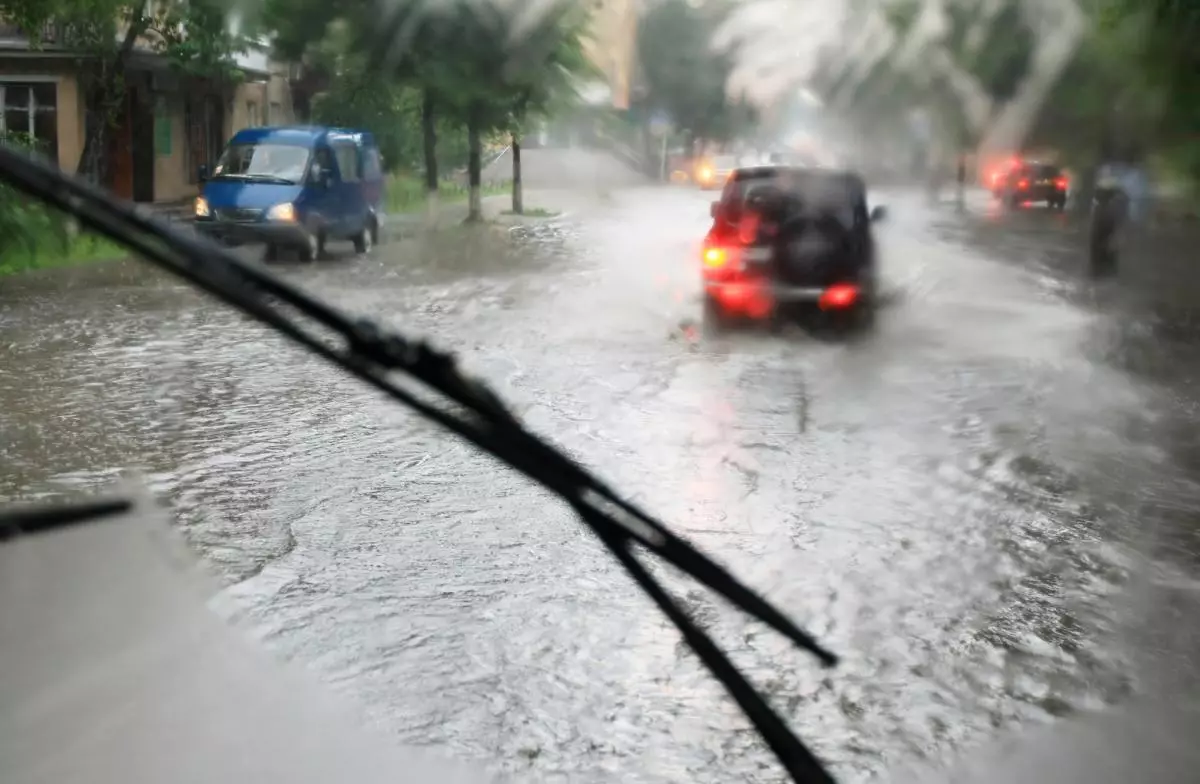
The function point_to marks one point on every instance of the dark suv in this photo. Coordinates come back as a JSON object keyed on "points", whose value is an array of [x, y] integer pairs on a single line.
{"points": [[1035, 182], [786, 239]]}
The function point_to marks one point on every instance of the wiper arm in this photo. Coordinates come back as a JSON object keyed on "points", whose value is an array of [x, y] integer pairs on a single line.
{"points": [[269, 178], [372, 354]]}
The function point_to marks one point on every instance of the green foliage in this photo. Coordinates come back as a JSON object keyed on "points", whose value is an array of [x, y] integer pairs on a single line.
{"points": [[23, 225], [406, 193], [683, 76], [194, 34], [391, 111], [1004, 59], [197, 38], [33, 236], [483, 62]]}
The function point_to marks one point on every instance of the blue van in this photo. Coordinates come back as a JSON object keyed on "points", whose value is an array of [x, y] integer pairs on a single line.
{"points": [[294, 189]]}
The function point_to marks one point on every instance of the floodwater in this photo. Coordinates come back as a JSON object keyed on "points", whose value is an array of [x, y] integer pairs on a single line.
{"points": [[985, 506]]}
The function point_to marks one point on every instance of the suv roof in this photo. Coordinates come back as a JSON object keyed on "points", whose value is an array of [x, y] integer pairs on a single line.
{"points": [[1036, 170], [762, 171]]}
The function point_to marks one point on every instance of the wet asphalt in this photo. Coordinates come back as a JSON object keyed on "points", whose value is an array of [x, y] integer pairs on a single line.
{"points": [[986, 505]]}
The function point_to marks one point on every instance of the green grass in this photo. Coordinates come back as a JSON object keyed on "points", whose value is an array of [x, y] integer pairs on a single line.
{"points": [[406, 193], [533, 212], [50, 252]]}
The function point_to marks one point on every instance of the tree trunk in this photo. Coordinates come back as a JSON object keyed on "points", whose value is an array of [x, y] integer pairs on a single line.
{"points": [[474, 164], [518, 195], [429, 149], [102, 101], [95, 165], [429, 139]]}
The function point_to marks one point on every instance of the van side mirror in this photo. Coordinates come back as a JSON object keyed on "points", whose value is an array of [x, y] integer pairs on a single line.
{"points": [[878, 213], [202, 173]]}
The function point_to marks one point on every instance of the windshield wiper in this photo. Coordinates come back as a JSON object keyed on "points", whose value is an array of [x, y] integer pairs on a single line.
{"points": [[474, 413], [256, 178]]}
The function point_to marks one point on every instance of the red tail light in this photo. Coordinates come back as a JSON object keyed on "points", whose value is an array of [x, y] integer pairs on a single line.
{"points": [[715, 257], [1061, 183], [1023, 184], [839, 297]]}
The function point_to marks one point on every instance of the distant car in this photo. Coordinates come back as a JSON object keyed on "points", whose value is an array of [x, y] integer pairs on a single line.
{"points": [[1034, 182], [712, 173], [994, 174], [788, 239]]}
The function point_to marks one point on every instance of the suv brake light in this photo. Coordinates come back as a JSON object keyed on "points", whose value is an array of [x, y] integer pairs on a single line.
{"points": [[715, 257], [1023, 184], [1061, 182], [839, 297]]}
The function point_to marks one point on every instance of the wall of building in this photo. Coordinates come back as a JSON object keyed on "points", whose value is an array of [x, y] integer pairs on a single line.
{"points": [[170, 166], [611, 45], [265, 101]]}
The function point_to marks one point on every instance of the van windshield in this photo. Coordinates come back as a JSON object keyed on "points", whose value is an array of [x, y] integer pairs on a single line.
{"points": [[284, 163]]}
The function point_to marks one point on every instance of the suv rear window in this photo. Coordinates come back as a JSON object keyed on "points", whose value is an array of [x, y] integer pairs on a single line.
{"points": [[1042, 171], [833, 189]]}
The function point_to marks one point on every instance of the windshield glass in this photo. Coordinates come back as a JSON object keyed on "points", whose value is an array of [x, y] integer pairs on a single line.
{"points": [[284, 162], [948, 483]]}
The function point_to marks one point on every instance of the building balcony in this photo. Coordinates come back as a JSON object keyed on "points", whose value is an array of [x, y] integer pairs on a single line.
{"points": [[13, 36]]}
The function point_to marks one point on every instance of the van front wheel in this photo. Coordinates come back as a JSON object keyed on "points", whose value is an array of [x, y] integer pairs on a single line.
{"points": [[313, 247], [366, 238]]}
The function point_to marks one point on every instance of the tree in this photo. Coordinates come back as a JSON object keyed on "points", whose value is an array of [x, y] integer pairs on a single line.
{"points": [[683, 77], [462, 69], [509, 60], [1162, 54], [106, 33], [542, 60]]}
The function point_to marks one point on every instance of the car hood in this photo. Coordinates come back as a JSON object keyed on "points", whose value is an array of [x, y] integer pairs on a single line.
{"points": [[240, 193]]}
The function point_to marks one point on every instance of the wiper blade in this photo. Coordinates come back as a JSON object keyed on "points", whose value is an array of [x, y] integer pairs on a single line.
{"points": [[254, 178], [374, 355], [268, 178]]}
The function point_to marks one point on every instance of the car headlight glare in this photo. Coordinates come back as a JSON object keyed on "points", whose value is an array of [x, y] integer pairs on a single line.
{"points": [[201, 207], [284, 213]]}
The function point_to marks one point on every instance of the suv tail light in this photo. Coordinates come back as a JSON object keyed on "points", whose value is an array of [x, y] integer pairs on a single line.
{"points": [[716, 257], [839, 297], [1023, 184], [1061, 183]]}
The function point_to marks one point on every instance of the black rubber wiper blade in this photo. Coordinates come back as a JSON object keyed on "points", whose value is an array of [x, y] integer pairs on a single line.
{"points": [[477, 415], [42, 519]]}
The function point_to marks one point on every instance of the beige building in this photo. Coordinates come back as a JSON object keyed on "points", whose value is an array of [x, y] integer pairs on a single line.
{"points": [[170, 124], [612, 46]]}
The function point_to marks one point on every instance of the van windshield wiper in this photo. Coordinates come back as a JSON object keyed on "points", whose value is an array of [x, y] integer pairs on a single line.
{"points": [[256, 178], [465, 407]]}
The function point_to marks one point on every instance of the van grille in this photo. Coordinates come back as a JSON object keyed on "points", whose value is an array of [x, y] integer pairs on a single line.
{"points": [[238, 214]]}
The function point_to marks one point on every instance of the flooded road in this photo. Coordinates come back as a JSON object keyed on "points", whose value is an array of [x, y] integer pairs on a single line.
{"points": [[980, 505]]}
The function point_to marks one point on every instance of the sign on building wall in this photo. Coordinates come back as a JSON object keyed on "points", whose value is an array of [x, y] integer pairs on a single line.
{"points": [[162, 127]]}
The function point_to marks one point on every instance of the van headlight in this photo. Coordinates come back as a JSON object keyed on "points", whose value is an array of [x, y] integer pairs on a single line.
{"points": [[284, 213], [201, 207]]}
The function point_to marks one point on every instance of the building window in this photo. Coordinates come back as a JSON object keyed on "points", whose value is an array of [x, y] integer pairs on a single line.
{"points": [[252, 115], [31, 110]]}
